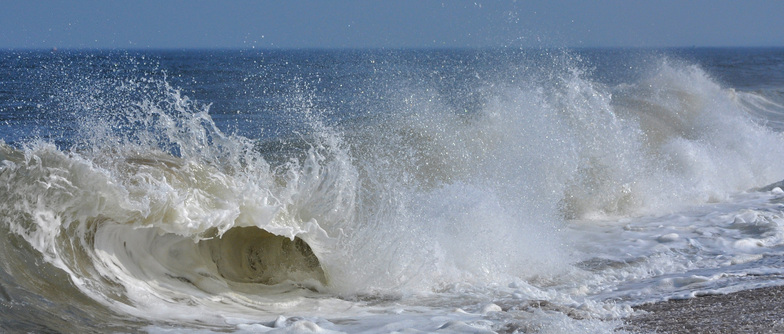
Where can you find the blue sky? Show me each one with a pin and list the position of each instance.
(388, 24)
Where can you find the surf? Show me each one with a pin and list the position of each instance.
(480, 194)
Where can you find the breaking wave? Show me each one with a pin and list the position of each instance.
(157, 213)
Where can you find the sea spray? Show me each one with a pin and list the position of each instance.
(485, 190)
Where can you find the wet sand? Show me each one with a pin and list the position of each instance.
(751, 311)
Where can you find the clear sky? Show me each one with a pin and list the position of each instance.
(388, 24)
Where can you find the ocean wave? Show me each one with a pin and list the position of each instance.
(155, 208)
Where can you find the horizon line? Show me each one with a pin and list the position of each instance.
(330, 48)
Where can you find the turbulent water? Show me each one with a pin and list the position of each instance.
(472, 191)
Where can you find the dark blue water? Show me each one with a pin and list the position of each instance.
(250, 91)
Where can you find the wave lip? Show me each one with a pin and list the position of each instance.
(146, 231)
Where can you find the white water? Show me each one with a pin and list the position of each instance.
(552, 208)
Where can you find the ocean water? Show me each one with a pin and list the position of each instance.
(375, 191)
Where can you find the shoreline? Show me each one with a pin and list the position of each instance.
(758, 310)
